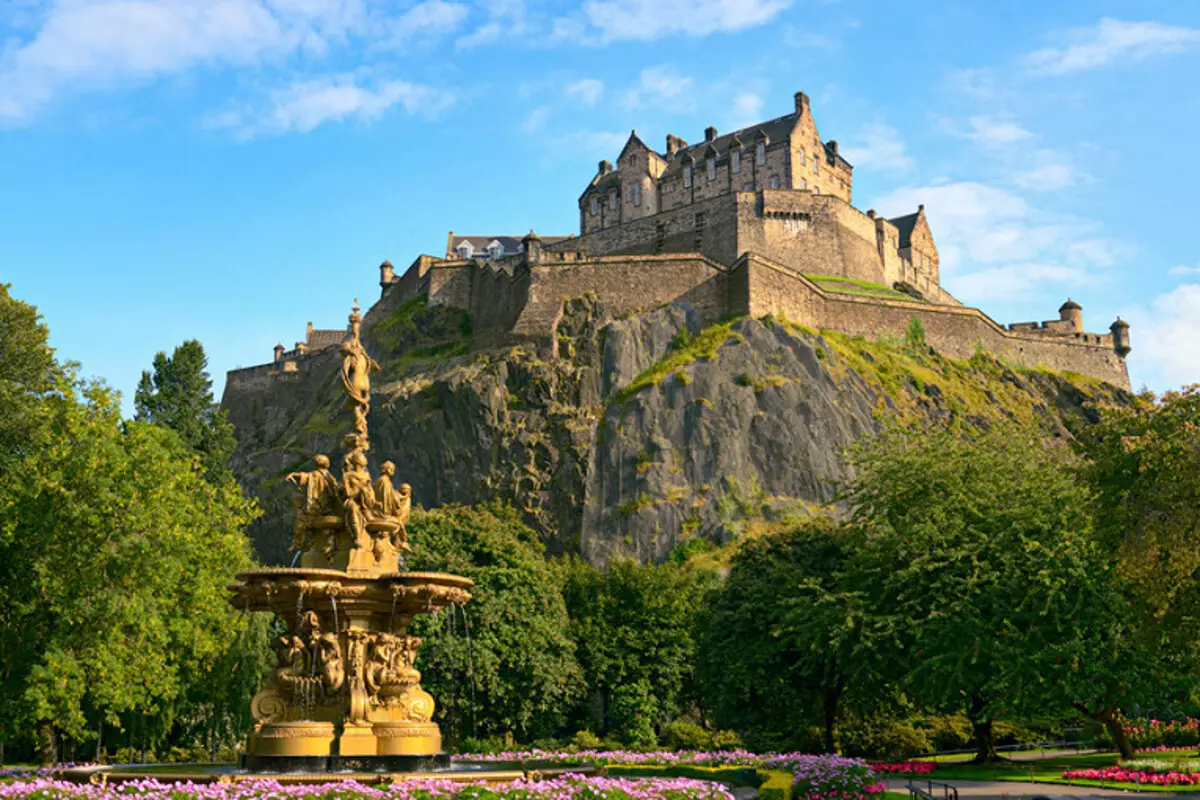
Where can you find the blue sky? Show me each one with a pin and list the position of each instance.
(230, 169)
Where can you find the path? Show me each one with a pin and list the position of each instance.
(1011, 790)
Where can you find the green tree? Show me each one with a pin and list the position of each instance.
(178, 395)
(114, 556)
(777, 640)
(972, 546)
(1143, 464)
(505, 663)
(28, 374)
(633, 624)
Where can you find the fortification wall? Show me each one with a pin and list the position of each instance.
(673, 231)
(622, 286)
(951, 330)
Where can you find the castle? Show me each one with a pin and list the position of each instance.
(754, 222)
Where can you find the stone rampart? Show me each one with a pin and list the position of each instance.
(955, 331)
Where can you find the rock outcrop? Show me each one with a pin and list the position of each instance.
(635, 434)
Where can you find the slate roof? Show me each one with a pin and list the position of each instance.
(776, 130)
(319, 339)
(905, 225)
(511, 244)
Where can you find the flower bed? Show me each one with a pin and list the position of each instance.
(812, 775)
(567, 787)
(904, 767)
(1126, 775)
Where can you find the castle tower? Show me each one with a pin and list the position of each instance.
(1072, 312)
(387, 274)
(1120, 337)
(279, 351)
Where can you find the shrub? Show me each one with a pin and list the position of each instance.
(681, 735)
(586, 740)
(633, 713)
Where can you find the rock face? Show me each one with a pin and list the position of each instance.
(636, 434)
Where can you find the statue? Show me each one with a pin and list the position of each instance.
(319, 499)
(357, 367)
(359, 502)
(394, 505)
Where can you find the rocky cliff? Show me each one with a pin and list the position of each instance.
(634, 435)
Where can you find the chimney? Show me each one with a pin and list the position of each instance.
(801, 103)
(871, 213)
(674, 144)
(605, 167)
(833, 147)
(308, 332)
(710, 134)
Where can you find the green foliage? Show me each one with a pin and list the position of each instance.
(633, 712)
(914, 334)
(852, 286)
(976, 565)
(178, 395)
(633, 626)
(683, 735)
(114, 556)
(28, 375)
(586, 740)
(516, 672)
(414, 333)
(684, 350)
(771, 651)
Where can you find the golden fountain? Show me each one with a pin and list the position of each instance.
(346, 693)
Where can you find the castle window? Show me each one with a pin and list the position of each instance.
(801, 156)
(774, 181)
(749, 187)
(464, 250)
(816, 190)
(804, 183)
(735, 160)
(612, 200)
(595, 205)
(816, 166)
(760, 152)
(637, 195)
(495, 250)
(712, 169)
(687, 174)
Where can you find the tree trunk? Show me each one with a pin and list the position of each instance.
(981, 725)
(47, 751)
(1107, 716)
(830, 699)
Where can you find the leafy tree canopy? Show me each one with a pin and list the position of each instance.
(634, 627)
(506, 665)
(178, 395)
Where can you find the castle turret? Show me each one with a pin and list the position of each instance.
(387, 274)
(1120, 337)
(533, 247)
(1072, 312)
(279, 351)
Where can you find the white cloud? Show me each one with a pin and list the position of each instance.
(536, 120)
(1046, 177)
(487, 33)
(658, 86)
(586, 91)
(572, 143)
(747, 109)
(1166, 338)
(878, 147)
(100, 44)
(652, 19)
(994, 246)
(1108, 42)
(305, 105)
(1183, 269)
(432, 18)
(992, 131)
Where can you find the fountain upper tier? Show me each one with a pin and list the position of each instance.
(401, 595)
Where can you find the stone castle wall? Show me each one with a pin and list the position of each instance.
(954, 331)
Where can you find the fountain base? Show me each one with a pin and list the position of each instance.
(346, 764)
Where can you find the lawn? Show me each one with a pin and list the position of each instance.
(1044, 770)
